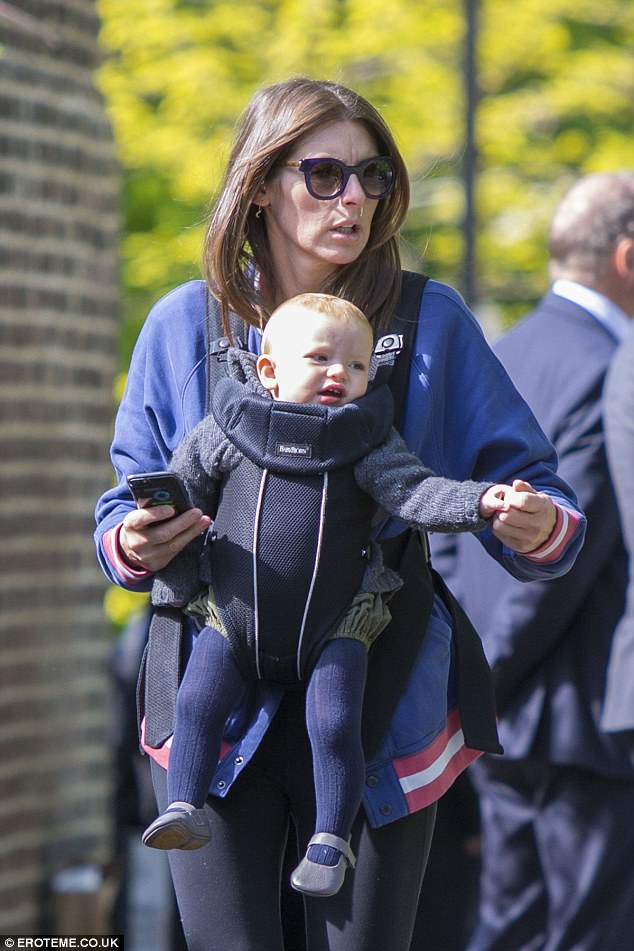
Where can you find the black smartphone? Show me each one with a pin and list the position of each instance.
(160, 488)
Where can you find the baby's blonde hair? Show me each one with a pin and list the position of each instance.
(343, 311)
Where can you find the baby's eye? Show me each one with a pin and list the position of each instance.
(358, 366)
(318, 357)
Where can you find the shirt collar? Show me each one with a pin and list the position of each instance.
(598, 305)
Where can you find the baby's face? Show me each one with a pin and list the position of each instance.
(319, 361)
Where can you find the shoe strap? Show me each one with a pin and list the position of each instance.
(178, 806)
(335, 842)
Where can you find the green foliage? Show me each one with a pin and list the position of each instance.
(557, 95)
(557, 84)
(556, 101)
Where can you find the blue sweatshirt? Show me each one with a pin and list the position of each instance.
(463, 418)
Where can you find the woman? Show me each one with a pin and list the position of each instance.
(313, 198)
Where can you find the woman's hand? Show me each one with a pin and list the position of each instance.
(527, 519)
(151, 537)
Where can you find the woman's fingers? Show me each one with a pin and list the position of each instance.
(527, 522)
(151, 537)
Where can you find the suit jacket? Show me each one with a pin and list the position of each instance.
(618, 712)
(548, 642)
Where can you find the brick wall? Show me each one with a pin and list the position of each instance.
(58, 326)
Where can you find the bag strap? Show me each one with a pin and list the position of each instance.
(160, 674)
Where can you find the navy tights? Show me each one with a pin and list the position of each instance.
(334, 702)
(210, 690)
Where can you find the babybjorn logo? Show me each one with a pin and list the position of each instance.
(294, 449)
(388, 348)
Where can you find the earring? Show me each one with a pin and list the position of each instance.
(258, 213)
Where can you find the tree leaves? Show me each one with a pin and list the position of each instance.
(557, 100)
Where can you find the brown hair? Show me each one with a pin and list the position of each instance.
(236, 247)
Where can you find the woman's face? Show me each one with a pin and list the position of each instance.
(309, 238)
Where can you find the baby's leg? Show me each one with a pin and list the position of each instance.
(334, 702)
(210, 690)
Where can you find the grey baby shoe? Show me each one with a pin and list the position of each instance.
(181, 826)
(321, 881)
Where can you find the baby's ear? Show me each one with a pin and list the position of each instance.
(266, 371)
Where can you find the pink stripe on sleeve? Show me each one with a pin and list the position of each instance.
(553, 548)
(112, 549)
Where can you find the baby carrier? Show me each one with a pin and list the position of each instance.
(292, 525)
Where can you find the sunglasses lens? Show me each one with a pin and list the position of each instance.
(326, 179)
(377, 178)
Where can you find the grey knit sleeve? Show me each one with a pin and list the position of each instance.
(406, 489)
(202, 459)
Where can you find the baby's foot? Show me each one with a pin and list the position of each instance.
(322, 871)
(181, 826)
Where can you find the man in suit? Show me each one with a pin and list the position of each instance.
(618, 710)
(558, 808)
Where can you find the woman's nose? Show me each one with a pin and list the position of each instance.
(353, 192)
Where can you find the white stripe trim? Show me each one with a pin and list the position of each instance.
(556, 541)
(254, 555)
(322, 518)
(425, 777)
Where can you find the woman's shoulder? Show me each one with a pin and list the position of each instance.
(174, 329)
(185, 303)
(444, 293)
(445, 316)
(168, 362)
(447, 302)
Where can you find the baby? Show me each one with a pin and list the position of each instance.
(292, 464)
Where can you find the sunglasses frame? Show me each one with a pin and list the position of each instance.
(307, 165)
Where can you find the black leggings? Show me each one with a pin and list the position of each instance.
(229, 892)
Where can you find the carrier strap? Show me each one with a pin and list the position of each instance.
(217, 343)
(399, 342)
(404, 324)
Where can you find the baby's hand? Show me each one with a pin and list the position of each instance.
(525, 520)
(494, 500)
(502, 498)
